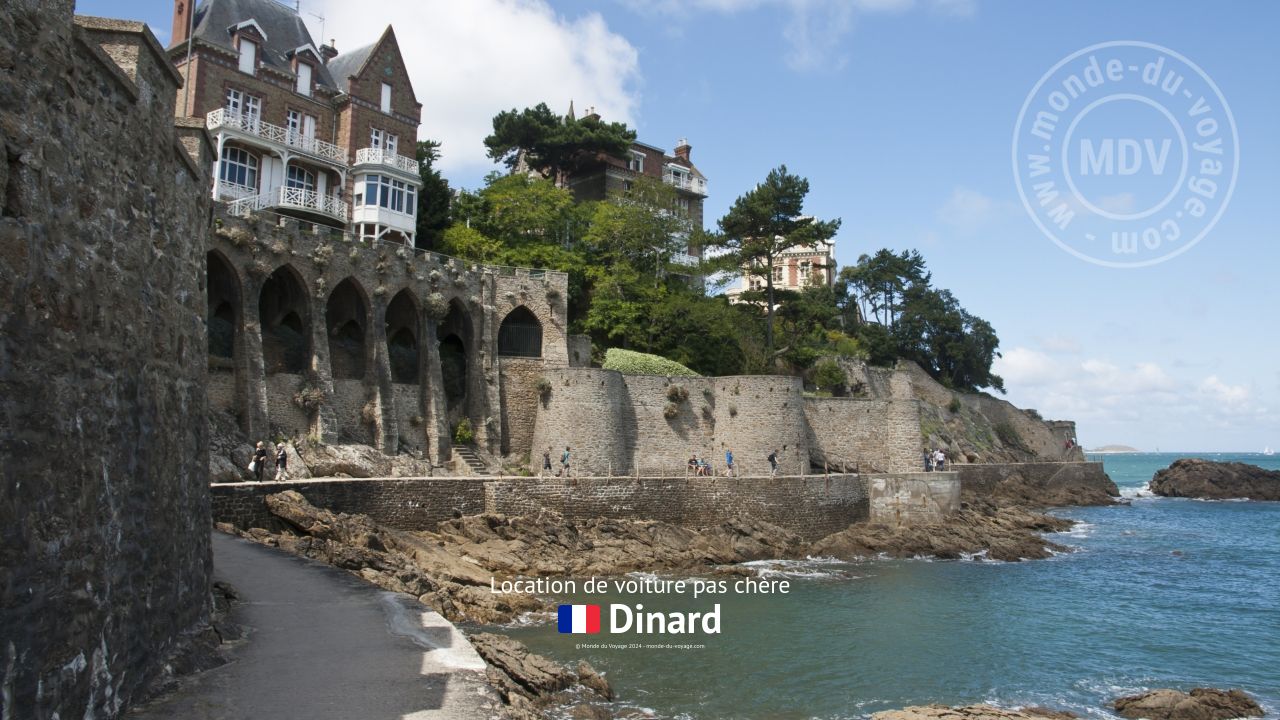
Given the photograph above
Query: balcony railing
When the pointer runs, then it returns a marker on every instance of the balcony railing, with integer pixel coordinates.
(685, 259)
(380, 156)
(685, 181)
(296, 198)
(223, 118)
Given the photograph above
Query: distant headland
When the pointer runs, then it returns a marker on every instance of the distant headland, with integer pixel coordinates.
(1114, 449)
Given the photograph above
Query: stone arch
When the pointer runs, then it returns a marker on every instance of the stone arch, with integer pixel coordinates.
(284, 312)
(347, 325)
(222, 287)
(402, 337)
(456, 343)
(520, 334)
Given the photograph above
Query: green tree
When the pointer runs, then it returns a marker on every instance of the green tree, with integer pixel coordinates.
(765, 222)
(554, 145)
(952, 345)
(880, 281)
(433, 197)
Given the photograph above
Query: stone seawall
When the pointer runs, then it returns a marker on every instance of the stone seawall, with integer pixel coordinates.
(913, 498)
(812, 506)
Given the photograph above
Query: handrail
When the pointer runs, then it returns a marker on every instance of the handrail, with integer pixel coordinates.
(253, 125)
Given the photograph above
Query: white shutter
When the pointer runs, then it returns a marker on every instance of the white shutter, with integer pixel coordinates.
(304, 79)
(386, 98)
(309, 127)
(248, 56)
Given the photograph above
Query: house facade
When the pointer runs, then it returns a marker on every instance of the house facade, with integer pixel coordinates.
(793, 269)
(301, 130)
(614, 175)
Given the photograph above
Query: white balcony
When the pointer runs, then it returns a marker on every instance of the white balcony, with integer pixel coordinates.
(387, 159)
(685, 181)
(685, 259)
(253, 126)
(308, 201)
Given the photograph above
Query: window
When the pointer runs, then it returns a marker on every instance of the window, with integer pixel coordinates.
(386, 98)
(293, 122)
(636, 161)
(300, 178)
(304, 79)
(382, 140)
(383, 191)
(309, 127)
(679, 178)
(244, 104)
(805, 267)
(682, 206)
(248, 56)
(238, 168)
(777, 273)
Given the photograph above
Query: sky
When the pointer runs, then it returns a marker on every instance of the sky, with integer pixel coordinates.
(902, 115)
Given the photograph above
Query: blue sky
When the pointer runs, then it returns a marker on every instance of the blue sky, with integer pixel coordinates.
(901, 114)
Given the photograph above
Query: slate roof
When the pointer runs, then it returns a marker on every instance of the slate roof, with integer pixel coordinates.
(284, 28)
(347, 64)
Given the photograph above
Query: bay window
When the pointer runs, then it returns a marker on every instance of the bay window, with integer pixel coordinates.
(238, 168)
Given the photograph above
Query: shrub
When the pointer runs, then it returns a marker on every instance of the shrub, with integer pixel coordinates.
(462, 432)
(733, 410)
(636, 363)
(829, 376)
(677, 393)
(1008, 435)
(310, 395)
(417, 420)
(670, 410)
(706, 412)
(544, 387)
(437, 306)
(369, 413)
(1034, 414)
(954, 405)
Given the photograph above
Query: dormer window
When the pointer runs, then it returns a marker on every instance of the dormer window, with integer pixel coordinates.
(248, 56)
(386, 98)
(304, 79)
(635, 162)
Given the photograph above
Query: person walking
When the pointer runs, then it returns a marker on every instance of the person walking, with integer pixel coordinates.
(928, 460)
(940, 461)
(258, 465)
(773, 464)
(564, 462)
(282, 463)
(728, 463)
(546, 462)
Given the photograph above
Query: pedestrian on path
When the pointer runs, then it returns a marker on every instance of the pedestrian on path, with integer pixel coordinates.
(564, 462)
(546, 462)
(282, 463)
(258, 465)
(728, 463)
(773, 464)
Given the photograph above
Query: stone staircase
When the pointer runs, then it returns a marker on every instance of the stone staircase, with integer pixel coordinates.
(475, 466)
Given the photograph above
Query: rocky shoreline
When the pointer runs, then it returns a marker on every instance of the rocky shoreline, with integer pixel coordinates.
(1160, 704)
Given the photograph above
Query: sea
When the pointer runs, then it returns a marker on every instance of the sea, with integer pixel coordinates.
(1160, 592)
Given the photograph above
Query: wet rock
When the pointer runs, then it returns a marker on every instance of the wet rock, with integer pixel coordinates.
(1195, 478)
(1004, 533)
(593, 680)
(1199, 704)
(526, 673)
(968, 712)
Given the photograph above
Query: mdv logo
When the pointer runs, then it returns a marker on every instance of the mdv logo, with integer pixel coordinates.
(1124, 156)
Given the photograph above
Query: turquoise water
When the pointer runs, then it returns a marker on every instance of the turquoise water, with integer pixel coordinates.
(1164, 592)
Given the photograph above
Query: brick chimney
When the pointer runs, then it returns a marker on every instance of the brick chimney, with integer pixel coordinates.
(683, 148)
(182, 10)
(329, 52)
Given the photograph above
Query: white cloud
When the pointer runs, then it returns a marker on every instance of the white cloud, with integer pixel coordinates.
(470, 60)
(814, 29)
(967, 210)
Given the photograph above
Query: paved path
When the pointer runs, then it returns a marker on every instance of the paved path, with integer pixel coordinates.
(324, 644)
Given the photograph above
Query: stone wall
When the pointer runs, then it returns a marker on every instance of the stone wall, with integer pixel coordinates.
(913, 498)
(812, 507)
(618, 424)
(104, 530)
(519, 403)
(255, 249)
(408, 504)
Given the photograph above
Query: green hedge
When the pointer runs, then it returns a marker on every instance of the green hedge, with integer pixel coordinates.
(638, 363)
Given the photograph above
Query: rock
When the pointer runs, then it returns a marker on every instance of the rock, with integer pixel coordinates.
(1195, 478)
(1199, 704)
(223, 470)
(968, 712)
(593, 680)
(360, 461)
(526, 673)
(1004, 533)
(1070, 485)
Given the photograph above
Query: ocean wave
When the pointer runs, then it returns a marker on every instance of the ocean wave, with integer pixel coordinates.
(810, 568)
(1142, 491)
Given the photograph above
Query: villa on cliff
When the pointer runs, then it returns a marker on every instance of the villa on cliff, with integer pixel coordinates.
(300, 129)
(793, 269)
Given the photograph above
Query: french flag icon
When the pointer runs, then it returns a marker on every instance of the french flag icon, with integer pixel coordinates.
(579, 619)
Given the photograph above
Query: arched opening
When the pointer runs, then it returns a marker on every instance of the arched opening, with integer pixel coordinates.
(402, 337)
(520, 334)
(454, 333)
(283, 313)
(346, 318)
(223, 291)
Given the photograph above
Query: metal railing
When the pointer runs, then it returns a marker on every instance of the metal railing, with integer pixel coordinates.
(222, 118)
(686, 181)
(380, 156)
(288, 197)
